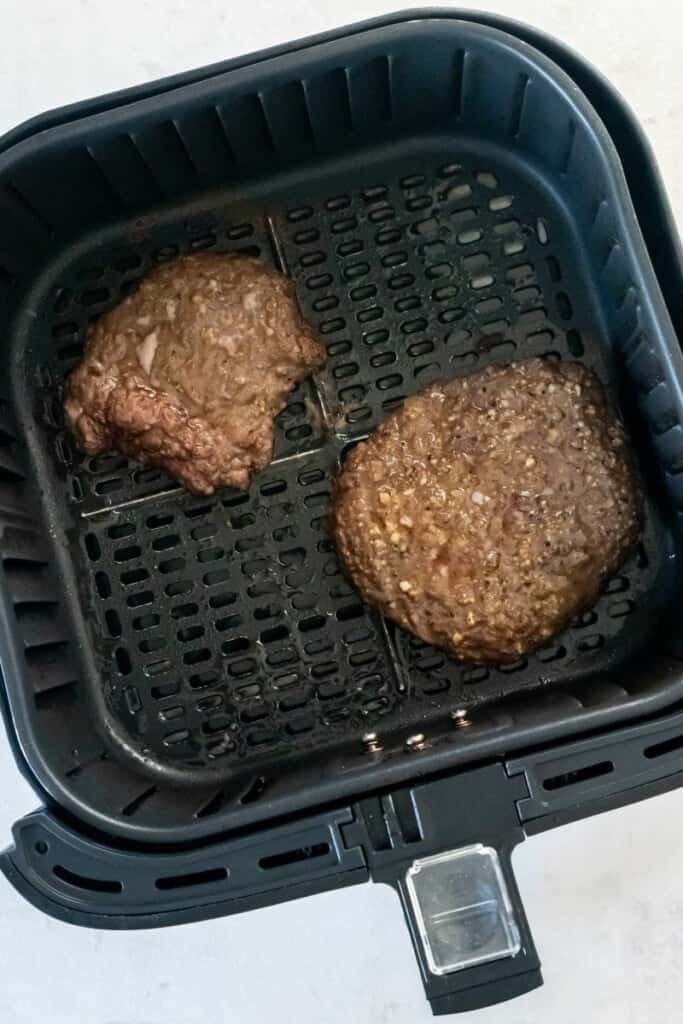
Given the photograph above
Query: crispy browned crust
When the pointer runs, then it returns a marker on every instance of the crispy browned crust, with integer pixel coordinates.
(486, 512)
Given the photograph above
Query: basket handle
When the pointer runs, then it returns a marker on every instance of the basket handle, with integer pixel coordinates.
(445, 847)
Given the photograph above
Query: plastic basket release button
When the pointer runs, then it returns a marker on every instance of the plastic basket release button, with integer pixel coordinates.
(462, 909)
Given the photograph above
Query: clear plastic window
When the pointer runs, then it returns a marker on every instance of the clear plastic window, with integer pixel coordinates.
(462, 909)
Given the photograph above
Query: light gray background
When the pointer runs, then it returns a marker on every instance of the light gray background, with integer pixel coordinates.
(604, 897)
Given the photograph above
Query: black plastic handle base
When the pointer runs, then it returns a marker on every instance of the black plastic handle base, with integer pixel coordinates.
(497, 990)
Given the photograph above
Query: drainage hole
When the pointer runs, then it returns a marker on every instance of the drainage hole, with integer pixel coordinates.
(278, 860)
(591, 771)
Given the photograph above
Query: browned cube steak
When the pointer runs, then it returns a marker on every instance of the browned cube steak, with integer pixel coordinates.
(486, 512)
(189, 372)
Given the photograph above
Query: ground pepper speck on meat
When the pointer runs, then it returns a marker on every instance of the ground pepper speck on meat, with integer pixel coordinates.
(487, 511)
(189, 371)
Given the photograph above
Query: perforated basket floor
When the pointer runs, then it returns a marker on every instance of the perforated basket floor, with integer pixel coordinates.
(222, 629)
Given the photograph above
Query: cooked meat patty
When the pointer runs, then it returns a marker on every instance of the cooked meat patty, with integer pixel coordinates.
(189, 371)
(486, 512)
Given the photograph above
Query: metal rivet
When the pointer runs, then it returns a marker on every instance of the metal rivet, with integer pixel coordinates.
(416, 742)
(371, 742)
(460, 718)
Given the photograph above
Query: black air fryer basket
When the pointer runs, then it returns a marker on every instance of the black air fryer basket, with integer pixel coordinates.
(212, 717)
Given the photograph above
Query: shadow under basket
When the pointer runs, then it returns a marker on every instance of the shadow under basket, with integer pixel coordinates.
(178, 666)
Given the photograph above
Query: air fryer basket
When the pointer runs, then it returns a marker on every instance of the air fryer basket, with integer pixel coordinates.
(177, 666)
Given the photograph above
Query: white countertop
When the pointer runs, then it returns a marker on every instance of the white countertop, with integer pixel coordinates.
(604, 897)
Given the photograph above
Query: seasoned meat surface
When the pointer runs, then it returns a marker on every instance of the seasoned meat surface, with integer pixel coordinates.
(189, 371)
(486, 512)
